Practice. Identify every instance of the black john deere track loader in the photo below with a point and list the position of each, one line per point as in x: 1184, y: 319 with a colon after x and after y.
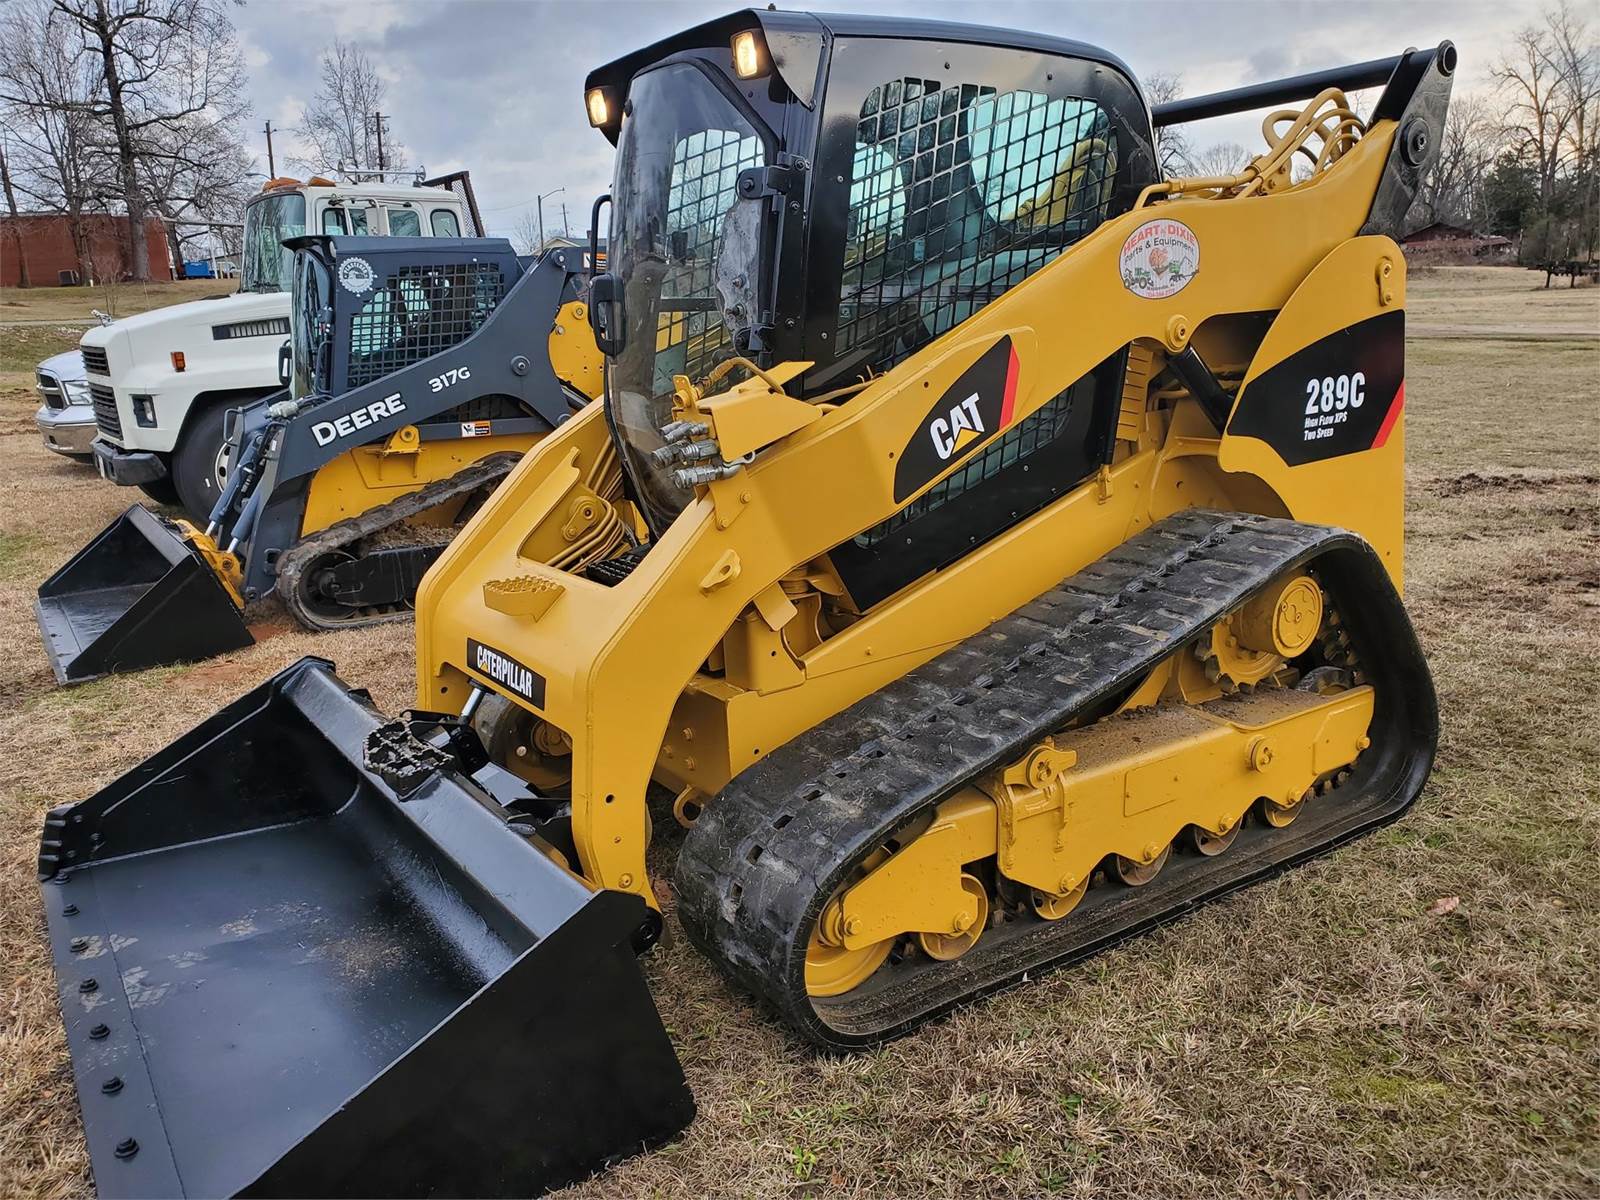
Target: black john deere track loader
x: 992, y: 547
x: 418, y: 372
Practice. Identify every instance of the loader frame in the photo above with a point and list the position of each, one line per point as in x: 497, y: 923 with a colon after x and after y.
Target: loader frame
x: 399, y: 418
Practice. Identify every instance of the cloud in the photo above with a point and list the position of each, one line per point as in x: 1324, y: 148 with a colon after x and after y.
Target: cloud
x: 496, y: 85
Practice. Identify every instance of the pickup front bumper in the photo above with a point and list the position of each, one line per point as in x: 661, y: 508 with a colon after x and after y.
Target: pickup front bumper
x: 70, y: 431
x: 127, y: 467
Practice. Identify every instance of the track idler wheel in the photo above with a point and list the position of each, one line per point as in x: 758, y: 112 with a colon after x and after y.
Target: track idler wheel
x: 1278, y: 815
x: 1135, y: 873
x: 1203, y: 841
x: 1051, y: 906
x: 965, y: 930
x: 833, y: 969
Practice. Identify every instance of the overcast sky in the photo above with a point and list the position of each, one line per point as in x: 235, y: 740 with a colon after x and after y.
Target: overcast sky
x: 496, y: 85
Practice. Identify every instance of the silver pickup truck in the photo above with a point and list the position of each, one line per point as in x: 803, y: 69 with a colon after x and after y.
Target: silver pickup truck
x: 66, y: 418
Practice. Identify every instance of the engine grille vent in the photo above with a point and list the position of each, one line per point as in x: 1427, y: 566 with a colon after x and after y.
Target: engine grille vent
x: 105, y: 410
x: 50, y: 389
x: 95, y: 361
x: 272, y: 326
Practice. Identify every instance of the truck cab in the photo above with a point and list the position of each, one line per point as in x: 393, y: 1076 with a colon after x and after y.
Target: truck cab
x: 161, y: 382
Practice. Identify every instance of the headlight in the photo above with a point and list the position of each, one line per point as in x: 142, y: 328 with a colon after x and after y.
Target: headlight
x: 76, y: 391
x: 749, y: 54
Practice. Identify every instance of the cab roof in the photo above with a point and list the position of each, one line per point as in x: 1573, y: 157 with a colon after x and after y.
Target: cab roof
x: 783, y: 29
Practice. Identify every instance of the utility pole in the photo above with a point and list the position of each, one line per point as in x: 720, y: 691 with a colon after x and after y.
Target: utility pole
x: 377, y: 121
x: 272, y: 167
x: 565, y: 231
x: 540, y: 202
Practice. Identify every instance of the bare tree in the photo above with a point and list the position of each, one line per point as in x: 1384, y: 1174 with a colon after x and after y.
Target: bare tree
x: 1537, y: 115
x: 1219, y: 158
x: 197, y: 178
x: 1550, y: 78
x: 340, y: 122
x: 1172, y: 146
x: 525, y: 235
x: 16, y: 219
x: 195, y: 167
x: 51, y: 93
x: 1453, y: 190
x: 1575, y: 56
x: 162, y: 63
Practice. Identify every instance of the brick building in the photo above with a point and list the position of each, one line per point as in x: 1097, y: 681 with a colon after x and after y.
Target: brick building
x: 47, y: 246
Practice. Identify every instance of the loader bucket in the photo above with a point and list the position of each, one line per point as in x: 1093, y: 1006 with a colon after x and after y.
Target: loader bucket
x: 286, y: 972
x: 136, y: 596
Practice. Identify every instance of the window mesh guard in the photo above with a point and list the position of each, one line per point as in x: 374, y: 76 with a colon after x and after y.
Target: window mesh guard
x: 957, y: 194
x: 418, y: 312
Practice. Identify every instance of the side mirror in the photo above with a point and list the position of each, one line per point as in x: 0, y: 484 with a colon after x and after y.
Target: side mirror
x: 285, y: 363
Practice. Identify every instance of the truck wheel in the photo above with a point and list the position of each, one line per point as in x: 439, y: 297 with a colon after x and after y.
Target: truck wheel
x: 161, y: 491
x: 199, y: 467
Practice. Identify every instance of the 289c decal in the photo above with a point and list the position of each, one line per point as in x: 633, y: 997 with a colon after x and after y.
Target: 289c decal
x: 1339, y: 395
x: 1329, y: 401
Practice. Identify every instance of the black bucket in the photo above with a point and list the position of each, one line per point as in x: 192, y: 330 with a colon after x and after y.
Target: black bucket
x: 136, y: 596
x: 280, y: 977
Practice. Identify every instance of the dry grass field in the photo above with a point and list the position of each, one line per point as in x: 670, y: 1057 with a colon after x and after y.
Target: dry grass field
x: 1338, y: 1031
x: 77, y: 305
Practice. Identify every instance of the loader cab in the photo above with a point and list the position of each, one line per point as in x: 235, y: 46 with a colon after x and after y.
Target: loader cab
x: 839, y: 190
x: 362, y: 308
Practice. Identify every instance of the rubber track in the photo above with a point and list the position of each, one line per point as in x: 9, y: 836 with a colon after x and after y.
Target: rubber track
x: 766, y: 854
x: 292, y: 563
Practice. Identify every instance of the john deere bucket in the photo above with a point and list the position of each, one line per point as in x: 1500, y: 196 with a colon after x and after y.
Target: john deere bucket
x: 299, y: 953
x: 136, y: 596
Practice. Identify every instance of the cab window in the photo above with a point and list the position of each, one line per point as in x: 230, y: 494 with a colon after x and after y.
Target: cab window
x: 444, y: 223
x: 333, y: 220
x: 404, y: 222
x: 959, y: 191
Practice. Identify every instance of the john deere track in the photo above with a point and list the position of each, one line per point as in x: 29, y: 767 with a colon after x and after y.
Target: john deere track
x: 768, y: 853
x: 302, y: 569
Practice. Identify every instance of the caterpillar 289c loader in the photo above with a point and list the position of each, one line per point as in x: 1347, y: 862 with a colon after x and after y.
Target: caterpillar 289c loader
x: 1015, y: 564
x: 418, y: 372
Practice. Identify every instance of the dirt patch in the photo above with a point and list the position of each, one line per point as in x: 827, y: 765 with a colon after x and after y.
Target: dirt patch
x: 1475, y: 482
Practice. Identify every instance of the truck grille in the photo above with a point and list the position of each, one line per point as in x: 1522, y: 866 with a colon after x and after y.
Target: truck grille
x: 50, y: 389
x: 95, y: 361
x: 105, y: 410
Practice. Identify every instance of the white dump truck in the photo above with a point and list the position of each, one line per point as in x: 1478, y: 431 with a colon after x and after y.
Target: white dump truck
x: 161, y: 382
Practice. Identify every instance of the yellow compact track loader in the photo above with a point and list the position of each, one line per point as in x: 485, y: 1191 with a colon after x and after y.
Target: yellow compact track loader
x: 416, y: 378
x: 1002, y: 556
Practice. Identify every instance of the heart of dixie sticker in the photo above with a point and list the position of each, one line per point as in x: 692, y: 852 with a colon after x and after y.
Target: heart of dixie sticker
x: 1159, y: 259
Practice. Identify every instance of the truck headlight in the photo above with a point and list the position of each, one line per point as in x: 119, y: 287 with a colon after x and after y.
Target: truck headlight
x: 144, y: 410
x: 76, y: 391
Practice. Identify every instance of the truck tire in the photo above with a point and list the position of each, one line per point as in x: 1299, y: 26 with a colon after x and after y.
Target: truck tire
x: 162, y: 491
x: 198, y: 464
